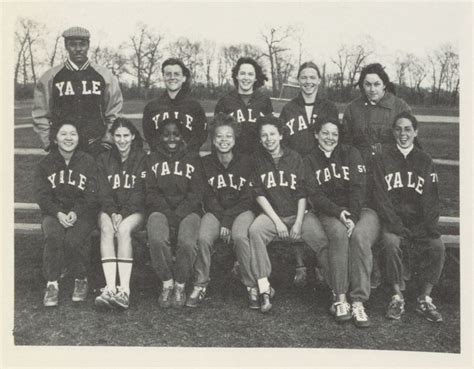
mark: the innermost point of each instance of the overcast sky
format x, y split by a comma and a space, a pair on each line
400, 26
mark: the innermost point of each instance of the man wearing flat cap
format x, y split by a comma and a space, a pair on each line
78, 89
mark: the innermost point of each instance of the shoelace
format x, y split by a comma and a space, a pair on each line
342, 308
428, 305
198, 293
359, 312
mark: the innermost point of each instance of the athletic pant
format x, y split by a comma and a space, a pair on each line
70, 246
209, 233
158, 231
350, 259
263, 231
426, 255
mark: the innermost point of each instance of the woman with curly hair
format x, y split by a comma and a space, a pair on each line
246, 103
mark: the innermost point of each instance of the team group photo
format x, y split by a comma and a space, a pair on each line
179, 184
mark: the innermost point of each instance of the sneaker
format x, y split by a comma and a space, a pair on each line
359, 316
254, 303
165, 297
81, 287
120, 299
266, 300
427, 309
300, 277
179, 297
198, 295
342, 311
51, 296
104, 299
396, 308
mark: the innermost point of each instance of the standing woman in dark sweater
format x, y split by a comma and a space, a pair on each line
65, 187
278, 186
122, 197
300, 115
336, 183
175, 103
228, 203
173, 202
246, 103
406, 197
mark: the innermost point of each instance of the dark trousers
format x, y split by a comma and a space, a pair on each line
66, 247
424, 255
158, 230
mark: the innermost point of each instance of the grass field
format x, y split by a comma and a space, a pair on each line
299, 318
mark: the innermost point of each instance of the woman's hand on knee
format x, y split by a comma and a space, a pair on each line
225, 234
116, 220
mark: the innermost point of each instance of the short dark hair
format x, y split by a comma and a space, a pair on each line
122, 122
186, 72
321, 122
378, 69
272, 120
308, 64
56, 126
220, 120
406, 115
169, 121
259, 75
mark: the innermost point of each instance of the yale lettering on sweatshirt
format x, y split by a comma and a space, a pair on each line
240, 116
328, 173
394, 181
66, 177
116, 180
188, 122
86, 88
176, 168
269, 180
227, 180
300, 126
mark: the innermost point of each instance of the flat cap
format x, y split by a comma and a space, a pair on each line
76, 32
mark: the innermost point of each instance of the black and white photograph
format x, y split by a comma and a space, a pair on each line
237, 184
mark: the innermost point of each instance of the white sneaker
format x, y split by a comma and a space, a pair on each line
343, 311
359, 316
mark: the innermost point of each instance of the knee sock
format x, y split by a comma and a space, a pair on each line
125, 270
109, 265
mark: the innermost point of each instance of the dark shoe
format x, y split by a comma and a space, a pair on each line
179, 297
165, 297
104, 299
300, 277
396, 308
427, 309
51, 296
197, 296
81, 288
266, 300
254, 302
121, 299
359, 316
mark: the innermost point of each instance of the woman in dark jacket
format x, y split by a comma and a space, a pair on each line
246, 103
175, 103
65, 187
122, 195
406, 199
173, 202
336, 183
228, 203
300, 115
278, 187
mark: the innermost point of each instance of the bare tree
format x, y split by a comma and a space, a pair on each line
341, 61
54, 50
146, 56
189, 52
444, 68
417, 72
27, 34
275, 41
209, 52
113, 59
